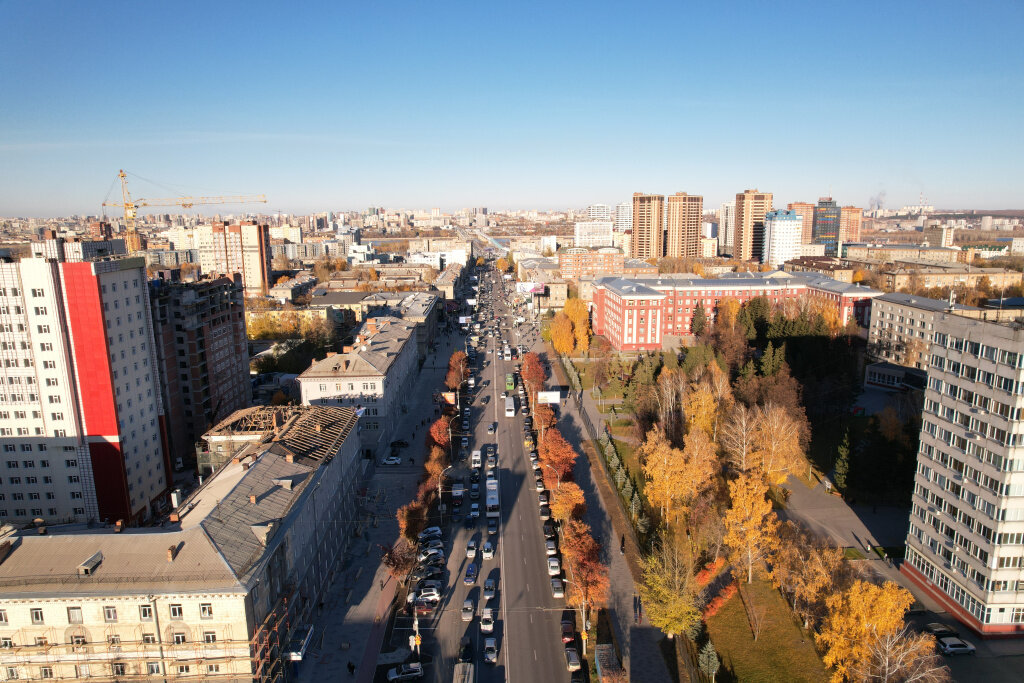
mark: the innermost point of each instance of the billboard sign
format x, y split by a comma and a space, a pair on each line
471, 302
465, 319
530, 287
549, 397
449, 397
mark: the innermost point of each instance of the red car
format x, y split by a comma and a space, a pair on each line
568, 632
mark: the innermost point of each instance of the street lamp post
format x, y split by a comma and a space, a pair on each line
440, 490
558, 477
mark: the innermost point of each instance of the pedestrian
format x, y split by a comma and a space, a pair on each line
351, 668
382, 584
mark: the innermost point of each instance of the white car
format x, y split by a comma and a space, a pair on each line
468, 610
487, 621
392, 460
554, 566
471, 549
492, 474
557, 588
429, 553
549, 547
488, 551
429, 593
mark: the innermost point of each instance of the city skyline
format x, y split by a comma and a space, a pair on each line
454, 106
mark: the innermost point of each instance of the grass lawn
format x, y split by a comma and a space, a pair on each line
628, 456
783, 652
853, 554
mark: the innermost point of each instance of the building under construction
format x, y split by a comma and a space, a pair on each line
226, 589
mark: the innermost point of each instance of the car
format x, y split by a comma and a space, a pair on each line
543, 497
474, 509
426, 573
488, 551
540, 484
568, 631
557, 588
490, 589
492, 474
466, 650
492, 460
474, 491
951, 645
470, 577
554, 566
572, 659
392, 460
465, 442
533, 456
470, 522
528, 421
504, 395
491, 650
429, 533
435, 543
400, 443
465, 425
486, 399
940, 630
545, 513
487, 621
432, 594
471, 549
424, 607
429, 553
492, 525
406, 672
493, 427
468, 610
423, 586
550, 548
474, 477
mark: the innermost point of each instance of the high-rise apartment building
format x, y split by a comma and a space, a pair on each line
623, 217
751, 208
599, 212
726, 227
81, 416
806, 212
826, 225
850, 218
965, 546
226, 249
593, 234
683, 216
201, 345
782, 232
648, 226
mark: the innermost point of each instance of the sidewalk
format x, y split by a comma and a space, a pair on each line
356, 611
641, 656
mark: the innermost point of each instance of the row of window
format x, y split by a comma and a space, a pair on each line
36, 512
43, 464
116, 669
177, 638
176, 611
979, 350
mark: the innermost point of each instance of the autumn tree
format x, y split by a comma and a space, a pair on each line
676, 476
439, 431
776, 440
588, 576
699, 322
856, 617
700, 408
543, 418
750, 523
728, 309
557, 453
399, 558
561, 334
437, 460
738, 437
805, 570
671, 597
501, 265
577, 312
412, 518
717, 381
901, 657
567, 501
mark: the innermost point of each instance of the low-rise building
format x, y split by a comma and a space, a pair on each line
375, 376
225, 589
889, 253
829, 266
904, 277
577, 262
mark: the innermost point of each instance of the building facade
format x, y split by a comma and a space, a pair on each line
683, 216
726, 227
81, 416
850, 219
648, 226
806, 212
782, 230
202, 350
242, 248
826, 225
751, 208
623, 221
964, 546
577, 262
593, 234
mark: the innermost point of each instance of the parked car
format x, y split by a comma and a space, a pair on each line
557, 588
545, 512
470, 577
406, 672
426, 573
430, 532
392, 460
543, 497
468, 610
490, 588
487, 621
431, 594
940, 630
435, 543
491, 650
549, 529
429, 553
951, 645
400, 443
539, 485
572, 659
568, 631
550, 548
493, 427
554, 566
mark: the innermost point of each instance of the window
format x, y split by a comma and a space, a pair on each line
36, 614
206, 610
149, 638
146, 612
78, 640
3, 616
209, 636
213, 668
74, 615
41, 641
82, 671
6, 642
175, 611
118, 668
37, 292
114, 640
179, 638
110, 614
43, 329
153, 668
12, 673
183, 669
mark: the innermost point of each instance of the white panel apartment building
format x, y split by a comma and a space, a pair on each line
782, 231
966, 540
593, 234
80, 410
225, 249
376, 375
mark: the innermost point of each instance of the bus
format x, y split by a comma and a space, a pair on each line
510, 407
510, 383
492, 506
508, 353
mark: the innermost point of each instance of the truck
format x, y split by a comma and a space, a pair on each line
492, 505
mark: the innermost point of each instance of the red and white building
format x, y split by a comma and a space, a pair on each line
81, 418
638, 314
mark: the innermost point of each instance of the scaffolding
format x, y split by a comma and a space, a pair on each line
268, 642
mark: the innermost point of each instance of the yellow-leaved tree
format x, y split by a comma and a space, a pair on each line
675, 477
670, 595
856, 617
576, 310
700, 408
561, 334
567, 501
776, 440
750, 525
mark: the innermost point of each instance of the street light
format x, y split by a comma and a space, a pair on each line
558, 477
440, 505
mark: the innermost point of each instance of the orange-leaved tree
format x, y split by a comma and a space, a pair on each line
439, 431
557, 453
588, 576
561, 334
543, 418
567, 501
750, 524
412, 517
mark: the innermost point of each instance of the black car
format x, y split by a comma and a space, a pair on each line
400, 443
549, 530
474, 476
466, 650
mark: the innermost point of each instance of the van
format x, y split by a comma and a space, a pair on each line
472, 382
475, 459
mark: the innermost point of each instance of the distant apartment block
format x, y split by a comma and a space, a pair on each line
199, 329
683, 216
226, 249
577, 262
834, 268
648, 226
751, 208
806, 212
826, 225
623, 221
782, 231
81, 416
890, 253
592, 234
850, 220
726, 227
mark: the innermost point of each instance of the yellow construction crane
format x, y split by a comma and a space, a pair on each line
133, 241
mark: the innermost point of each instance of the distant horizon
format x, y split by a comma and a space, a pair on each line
525, 104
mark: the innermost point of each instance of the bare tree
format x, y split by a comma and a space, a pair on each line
738, 437
901, 657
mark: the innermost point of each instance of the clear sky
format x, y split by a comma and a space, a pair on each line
347, 104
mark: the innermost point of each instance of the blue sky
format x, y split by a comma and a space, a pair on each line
344, 105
